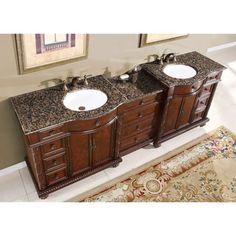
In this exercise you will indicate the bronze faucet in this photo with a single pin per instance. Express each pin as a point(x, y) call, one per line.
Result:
point(170, 57)
point(164, 58)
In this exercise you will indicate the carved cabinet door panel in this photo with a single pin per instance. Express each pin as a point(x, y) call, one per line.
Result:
point(172, 114)
point(104, 144)
point(186, 111)
point(80, 152)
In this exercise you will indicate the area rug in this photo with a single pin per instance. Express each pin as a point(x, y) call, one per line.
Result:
point(204, 170)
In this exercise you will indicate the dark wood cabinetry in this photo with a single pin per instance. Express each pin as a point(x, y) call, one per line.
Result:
point(60, 155)
point(186, 107)
point(139, 122)
point(64, 154)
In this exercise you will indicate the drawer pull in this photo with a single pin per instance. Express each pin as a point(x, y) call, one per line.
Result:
point(53, 146)
point(137, 127)
point(206, 89)
point(56, 176)
point(141, 102)
point(193, 87)
point(97, 123)
point(202, 103)
point(54, 162)
point(51, 132)
point(140, 115)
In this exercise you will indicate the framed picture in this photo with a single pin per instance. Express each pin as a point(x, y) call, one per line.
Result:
point(149, 39)
point(40, 51)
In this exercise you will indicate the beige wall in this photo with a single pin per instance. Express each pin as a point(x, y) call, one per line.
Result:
point(117, 52)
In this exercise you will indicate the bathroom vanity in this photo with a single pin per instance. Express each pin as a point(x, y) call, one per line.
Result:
point(64, 146)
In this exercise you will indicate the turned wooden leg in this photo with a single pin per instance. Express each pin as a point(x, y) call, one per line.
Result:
point(156, 144)
point(44, 196)
point(115, 165)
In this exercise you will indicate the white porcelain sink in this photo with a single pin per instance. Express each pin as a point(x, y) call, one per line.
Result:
point(179, 71)
point(84, 99)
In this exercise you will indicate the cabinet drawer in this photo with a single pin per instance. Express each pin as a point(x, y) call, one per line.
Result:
point(53, 146)
point(206, 90)
point(198, 116)
point(136, 139)
point(213, 78)
point(139, 126)
point(140, 102)
point(56, 176)
point(185, 89)
point(54, 162)
point(140, 113)
point(85, 125)
point(49, 133)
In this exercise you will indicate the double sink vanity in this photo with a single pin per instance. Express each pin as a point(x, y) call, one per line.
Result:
point(73, 134)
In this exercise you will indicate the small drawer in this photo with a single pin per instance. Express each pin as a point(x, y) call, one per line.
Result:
point(54, 162)
point(136, 139)
point(53, 146)
point(206, 90)
point(138, 127)
point(202, 101)
point(56, 176)
point(84, 125)
point(140, 102)
point(186, 89)
point(198, 116)
point(140, 113)
point(49, 133)
point(213, 78)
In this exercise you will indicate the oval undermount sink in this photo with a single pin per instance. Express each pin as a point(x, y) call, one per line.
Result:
point(180, 71)
point(84, 99)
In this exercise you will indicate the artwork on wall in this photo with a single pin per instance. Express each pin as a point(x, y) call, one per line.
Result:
point(149, 39)
point(39, 51)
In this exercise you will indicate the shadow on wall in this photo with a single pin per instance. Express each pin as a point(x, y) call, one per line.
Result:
point(10, 133)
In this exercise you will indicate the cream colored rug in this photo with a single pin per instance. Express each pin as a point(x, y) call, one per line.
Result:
point(204, 170)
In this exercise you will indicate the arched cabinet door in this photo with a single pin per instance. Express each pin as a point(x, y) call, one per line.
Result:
point(92, 148)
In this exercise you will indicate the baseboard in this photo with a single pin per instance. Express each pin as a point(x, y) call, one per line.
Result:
point(222, 46)
point(12, 168)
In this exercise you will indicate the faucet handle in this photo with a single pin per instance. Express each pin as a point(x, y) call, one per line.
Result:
point(85, 78)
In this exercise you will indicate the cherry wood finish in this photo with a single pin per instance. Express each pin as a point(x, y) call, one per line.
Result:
point(139, 122)
point(186, 107)
point(65, 153)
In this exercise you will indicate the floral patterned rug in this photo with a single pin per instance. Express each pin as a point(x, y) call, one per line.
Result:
point(202, 172)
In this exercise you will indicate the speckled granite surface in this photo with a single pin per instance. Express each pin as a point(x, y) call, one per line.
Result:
point(145, 85)
point(44, 108)
point(202, 64)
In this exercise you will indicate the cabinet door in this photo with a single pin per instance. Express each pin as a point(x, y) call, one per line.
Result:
point(186, 111)
point(104, 144)
point(172, 114)
point(80, 149)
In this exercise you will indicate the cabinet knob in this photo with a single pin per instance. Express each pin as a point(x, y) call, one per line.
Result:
point(97, 123)
point(54, 162)
point(51, 132)
point(141, 102)
point(140, 115)
point(53, 146)
point(193, 87)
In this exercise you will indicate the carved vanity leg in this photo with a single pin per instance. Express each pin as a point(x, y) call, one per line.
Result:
point(44, 196)
point(156, 144)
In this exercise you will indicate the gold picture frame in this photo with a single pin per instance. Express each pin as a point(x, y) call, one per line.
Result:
point(33, 54)
point(150, 39)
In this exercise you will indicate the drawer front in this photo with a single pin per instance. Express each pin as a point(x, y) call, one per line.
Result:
point(56, 176)
point(198, 116)
point(84, 125)
point(139, 126)
point(202, 103)
point(54, 162)
point(186, 89)
point(206, 90)
point(213, 78)
point(140, 102)
point(50, 133)
point(139, 113)
point(53, 146)
point(136, 139)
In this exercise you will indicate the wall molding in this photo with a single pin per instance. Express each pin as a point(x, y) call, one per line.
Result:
point(222, 46)
point(12, 168)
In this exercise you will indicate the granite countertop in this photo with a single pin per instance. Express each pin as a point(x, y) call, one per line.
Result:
point(43, 108)
point(204, 66)
point(145, 85)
